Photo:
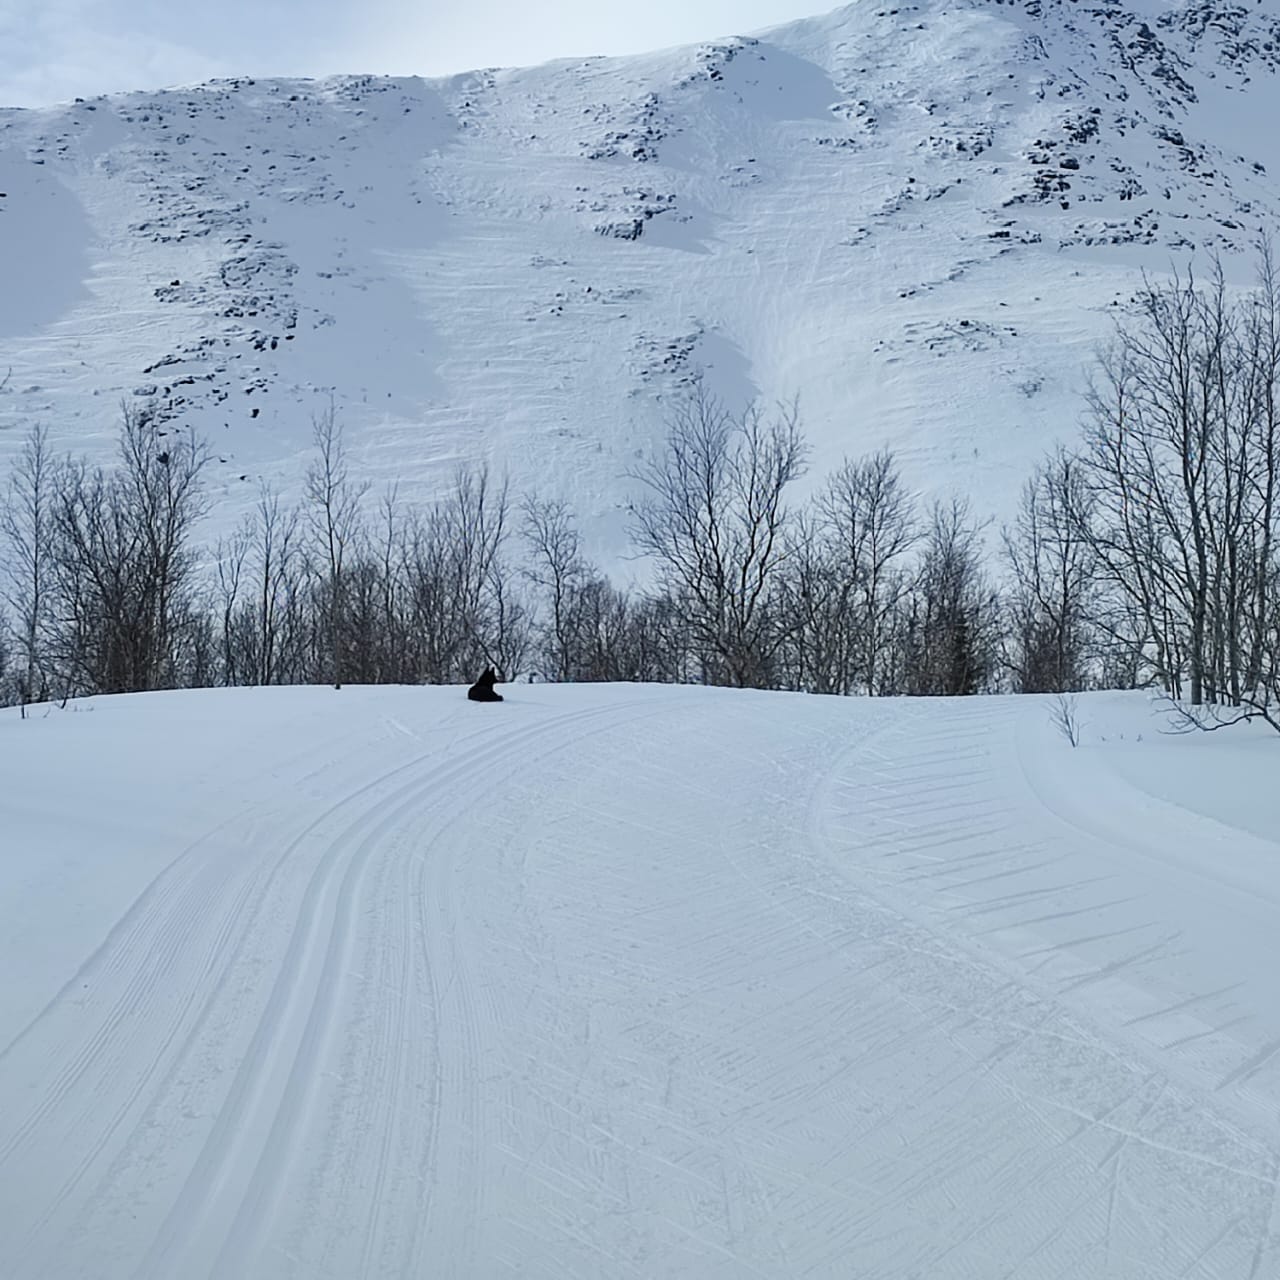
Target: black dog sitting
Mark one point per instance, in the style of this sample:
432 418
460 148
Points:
482 690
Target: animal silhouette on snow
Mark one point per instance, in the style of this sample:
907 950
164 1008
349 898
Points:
483 690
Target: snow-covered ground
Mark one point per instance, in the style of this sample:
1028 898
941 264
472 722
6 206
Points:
634 981
919 219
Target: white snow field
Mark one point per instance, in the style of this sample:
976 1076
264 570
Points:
920 219
629 981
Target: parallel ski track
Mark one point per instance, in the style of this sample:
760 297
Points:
201 912
140 951
274 1089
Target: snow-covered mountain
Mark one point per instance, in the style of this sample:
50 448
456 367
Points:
918 219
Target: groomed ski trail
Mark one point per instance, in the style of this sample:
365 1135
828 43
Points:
630 981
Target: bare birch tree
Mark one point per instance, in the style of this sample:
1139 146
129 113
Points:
1051 569
714 517
26 529
333 509
871 518
557 567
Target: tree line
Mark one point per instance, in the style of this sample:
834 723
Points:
1145 556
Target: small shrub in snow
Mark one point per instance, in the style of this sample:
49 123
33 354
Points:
1065 717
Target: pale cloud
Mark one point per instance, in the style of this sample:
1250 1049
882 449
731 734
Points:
405 39
81 64
54 50
59 49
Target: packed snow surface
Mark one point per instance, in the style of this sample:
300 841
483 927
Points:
634 981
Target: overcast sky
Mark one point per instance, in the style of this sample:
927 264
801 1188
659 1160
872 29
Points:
55 50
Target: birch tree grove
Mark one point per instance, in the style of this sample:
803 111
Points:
1181 463
122 583
1147 555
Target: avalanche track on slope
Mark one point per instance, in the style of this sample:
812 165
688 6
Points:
632 981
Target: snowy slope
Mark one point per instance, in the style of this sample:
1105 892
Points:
919 219
634 981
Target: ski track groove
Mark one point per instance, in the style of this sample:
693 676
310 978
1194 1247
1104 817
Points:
1265 1235
147 969
112 953
880 808
133 1000
111 956
435 894
266 1184
214 992
386 1088
248 1095
206 980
